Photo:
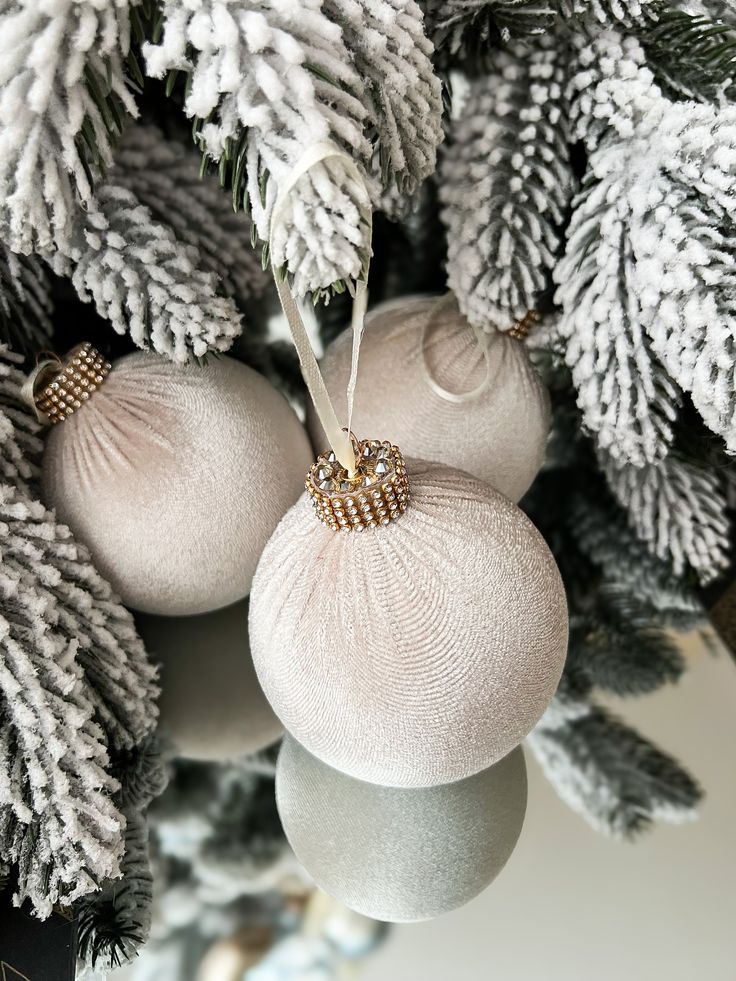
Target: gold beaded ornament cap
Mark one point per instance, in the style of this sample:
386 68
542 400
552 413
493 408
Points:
377 493
63 385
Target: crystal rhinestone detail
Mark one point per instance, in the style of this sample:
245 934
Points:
377 494
66 388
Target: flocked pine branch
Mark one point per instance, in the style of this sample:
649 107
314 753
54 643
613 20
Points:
404 96
63 94
617 780
58 825
145 281
624 14
269 80
120 681
627 398
647 282
466 31
75 682
623 601
21 445
25 302
165 178
116 921
611 90
630 572
506 184
685 246
618 646
679 509
693 54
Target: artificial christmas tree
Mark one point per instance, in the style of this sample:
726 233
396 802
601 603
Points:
572 158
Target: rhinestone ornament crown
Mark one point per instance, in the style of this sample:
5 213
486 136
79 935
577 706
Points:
376 494
66 385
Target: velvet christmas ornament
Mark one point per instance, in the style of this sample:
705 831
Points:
426 384
212 706
173 475
420 651
400 854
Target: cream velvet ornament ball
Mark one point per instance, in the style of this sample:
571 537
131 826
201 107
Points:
175 476
417 653
416 349
400 854
211 704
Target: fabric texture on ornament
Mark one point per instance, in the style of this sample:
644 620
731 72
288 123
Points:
211 704
175 476
400 854
413 654
498 434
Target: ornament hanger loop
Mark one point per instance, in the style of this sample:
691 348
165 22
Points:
519 331
337 435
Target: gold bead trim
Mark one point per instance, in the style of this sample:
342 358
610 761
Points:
376 495
522 327
66 388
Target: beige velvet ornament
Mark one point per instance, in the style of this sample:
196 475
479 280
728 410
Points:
175 476
413 654
400 854
212 706
415 349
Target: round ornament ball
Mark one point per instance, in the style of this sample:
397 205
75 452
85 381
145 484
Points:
400 854
211 706
425 383
422 650
175 476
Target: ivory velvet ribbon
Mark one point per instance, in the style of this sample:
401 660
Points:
337 436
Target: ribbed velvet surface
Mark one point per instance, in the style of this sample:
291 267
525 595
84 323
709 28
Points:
212 706
175 476
499 436
400 854
413 654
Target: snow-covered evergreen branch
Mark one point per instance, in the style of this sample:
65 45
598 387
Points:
679 509
630 571
611 13
20 443
269 80
145 281
469 27
58 825
507 182
627 398
647 282
685 245
403 95
165 178
116 921
692 50
74 680
25 302
617 780
63 91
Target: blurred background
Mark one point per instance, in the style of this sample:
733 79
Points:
572 905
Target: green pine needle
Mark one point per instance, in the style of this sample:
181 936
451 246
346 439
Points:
692 56
104 934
